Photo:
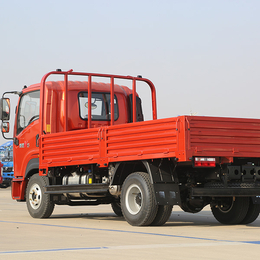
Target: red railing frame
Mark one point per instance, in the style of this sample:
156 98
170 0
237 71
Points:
90 75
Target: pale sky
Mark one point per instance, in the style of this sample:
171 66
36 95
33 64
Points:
202 55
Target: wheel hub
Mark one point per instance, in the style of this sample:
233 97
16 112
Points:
138 199
226 206
134 199
35 196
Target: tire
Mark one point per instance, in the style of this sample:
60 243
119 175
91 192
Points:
138 200
163 214
231 212
116 206
252 213
4 186
38 204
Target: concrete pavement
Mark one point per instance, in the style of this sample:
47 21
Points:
95 232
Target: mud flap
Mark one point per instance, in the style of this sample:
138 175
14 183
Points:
167 194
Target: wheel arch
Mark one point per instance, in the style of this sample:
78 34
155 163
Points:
159 170
123 169
32 168
19 187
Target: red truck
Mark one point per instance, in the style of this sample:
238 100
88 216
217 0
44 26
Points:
87 143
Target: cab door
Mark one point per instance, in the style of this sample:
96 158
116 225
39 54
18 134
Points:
26 132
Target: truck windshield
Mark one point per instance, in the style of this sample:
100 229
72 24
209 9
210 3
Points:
100 106
28 110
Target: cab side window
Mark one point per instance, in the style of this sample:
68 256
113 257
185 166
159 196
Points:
100 106
28 110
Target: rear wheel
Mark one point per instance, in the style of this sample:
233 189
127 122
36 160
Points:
163 214
138 200
39 204
252 213
231 211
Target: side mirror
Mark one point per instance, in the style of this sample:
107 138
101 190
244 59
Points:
4 109
5 127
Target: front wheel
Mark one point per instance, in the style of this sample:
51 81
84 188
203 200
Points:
138 200
39 204
231 211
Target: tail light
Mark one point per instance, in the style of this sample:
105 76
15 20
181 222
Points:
204 162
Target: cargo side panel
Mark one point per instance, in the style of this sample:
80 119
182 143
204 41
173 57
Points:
142 140
153 139
70 148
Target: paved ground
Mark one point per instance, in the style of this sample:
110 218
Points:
96 233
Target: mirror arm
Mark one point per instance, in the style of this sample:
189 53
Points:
12 92
7 138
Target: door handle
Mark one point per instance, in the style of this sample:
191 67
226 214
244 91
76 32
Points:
37 140
16 141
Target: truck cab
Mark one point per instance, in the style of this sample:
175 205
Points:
27 124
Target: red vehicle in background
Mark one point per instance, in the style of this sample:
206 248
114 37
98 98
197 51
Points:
85 143
1 173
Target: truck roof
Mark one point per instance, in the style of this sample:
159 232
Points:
81 86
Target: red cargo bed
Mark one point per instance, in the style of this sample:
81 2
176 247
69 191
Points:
181 137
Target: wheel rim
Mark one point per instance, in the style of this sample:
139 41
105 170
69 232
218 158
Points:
226 206
134 199
35 196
